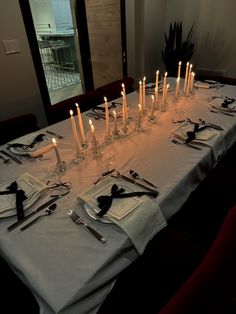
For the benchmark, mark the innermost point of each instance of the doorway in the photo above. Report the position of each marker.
(76, 45)
(56, 38)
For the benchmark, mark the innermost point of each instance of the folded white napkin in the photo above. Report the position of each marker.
(37, 150)
(139, 217)
(32, 187)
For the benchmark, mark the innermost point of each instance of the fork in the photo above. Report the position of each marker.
(79, 221)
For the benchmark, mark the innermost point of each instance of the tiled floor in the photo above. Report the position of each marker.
(62, 84)
(58, 78)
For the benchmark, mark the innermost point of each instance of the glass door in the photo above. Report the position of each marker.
(58, 47)
(76, 46)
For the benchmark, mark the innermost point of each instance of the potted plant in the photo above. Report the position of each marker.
(176, 49)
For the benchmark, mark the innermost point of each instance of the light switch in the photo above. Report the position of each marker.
(11, 46)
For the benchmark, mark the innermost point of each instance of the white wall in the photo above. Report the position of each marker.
(145, 26)
(19, 91)
(214, 34)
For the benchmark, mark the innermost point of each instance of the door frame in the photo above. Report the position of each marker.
(83, 37)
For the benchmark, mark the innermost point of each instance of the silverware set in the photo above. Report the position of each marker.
(221, 112)
(49, 210)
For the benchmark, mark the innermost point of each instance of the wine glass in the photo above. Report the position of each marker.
(106, 160)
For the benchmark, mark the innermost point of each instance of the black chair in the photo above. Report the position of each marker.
(17, 126)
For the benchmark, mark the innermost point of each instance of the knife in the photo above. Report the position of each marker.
(11, 156)
(44, 205)
(137, 183)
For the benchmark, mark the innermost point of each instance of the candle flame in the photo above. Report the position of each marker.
(114, 112)
(71, 112)
(76, 104)
(105, 99)
(180, 63)
(167, 86)
(187, 64)
(140, 82)
(54, 141)
(144, 78)
(122, 85)
(90, 122)
(157, 72)
(166, 74)
(139, 106)
(152, 97)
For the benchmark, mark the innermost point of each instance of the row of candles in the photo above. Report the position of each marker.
(188, 87)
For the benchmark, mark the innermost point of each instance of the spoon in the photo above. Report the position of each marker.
(48, 212)
(135, 175)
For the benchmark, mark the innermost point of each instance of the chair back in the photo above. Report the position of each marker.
(17, 126)
(211, 288)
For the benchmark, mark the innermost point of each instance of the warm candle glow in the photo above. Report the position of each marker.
(177, 87)
(189, 80)
(56, 150)
(139, 116)
(140, 93)
(186, 77)
(75, 134)
(164, 91)
(115, 123)
(124, 111)
(107, 118)
(156, 86)
(144, 95)
(81, 126)
(179, 69)
(153, 106)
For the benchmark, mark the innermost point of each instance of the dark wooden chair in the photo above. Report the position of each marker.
(60, 111)
(17, 126)
(212, 286)
(221, 79)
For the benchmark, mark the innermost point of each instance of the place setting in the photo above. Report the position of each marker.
(122, 200)
(223, 105)
(19, 194)
(33, 145)
(195, 134)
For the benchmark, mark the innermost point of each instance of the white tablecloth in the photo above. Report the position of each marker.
(67, 269)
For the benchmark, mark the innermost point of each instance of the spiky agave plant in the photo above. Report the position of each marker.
(176, 49)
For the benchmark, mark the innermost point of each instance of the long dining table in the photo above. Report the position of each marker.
(64, 266)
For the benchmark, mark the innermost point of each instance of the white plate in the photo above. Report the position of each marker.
(92, 212)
